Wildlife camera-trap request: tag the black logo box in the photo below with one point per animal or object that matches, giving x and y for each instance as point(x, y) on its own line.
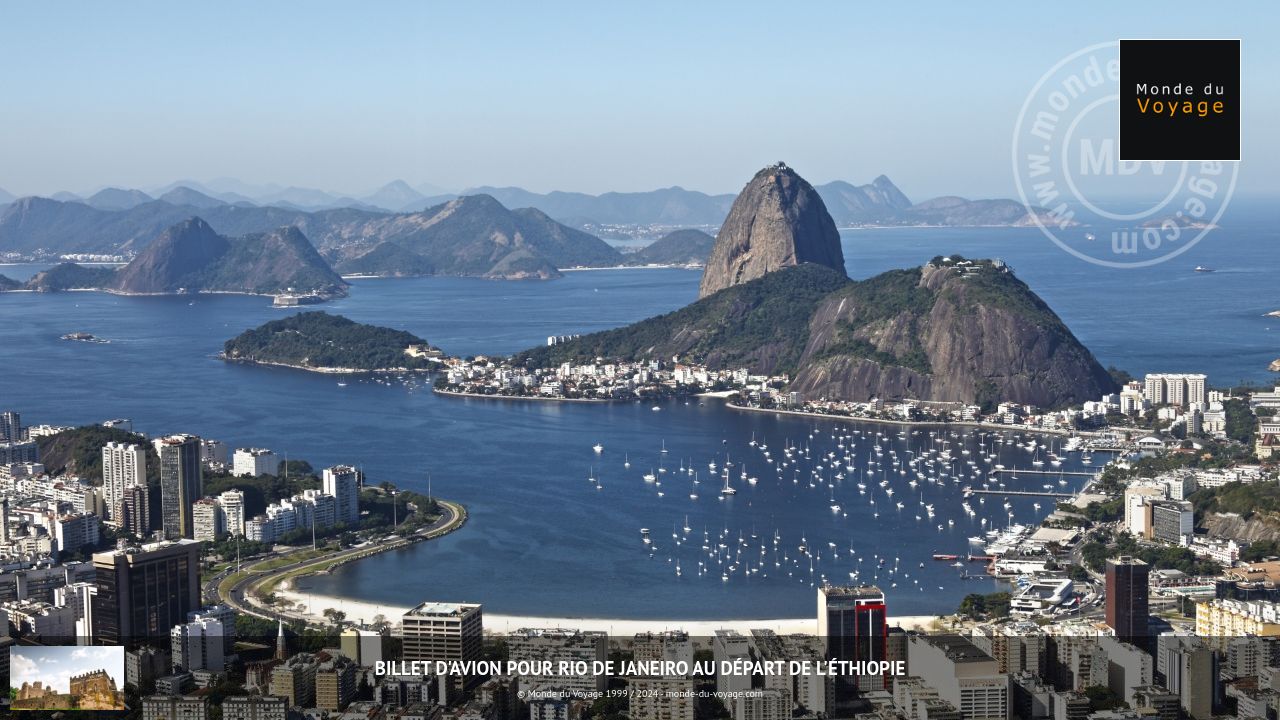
point(1186, 65)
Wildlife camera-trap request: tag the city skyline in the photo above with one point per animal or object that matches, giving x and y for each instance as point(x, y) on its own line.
point(595, 100)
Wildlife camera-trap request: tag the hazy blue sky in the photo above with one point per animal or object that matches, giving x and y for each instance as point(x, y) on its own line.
point(589, 96)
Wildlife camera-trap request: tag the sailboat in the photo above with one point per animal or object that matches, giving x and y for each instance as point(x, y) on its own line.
point(626, 461)
point(727, 489)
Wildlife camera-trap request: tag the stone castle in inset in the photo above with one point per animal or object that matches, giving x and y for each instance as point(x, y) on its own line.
point(94, 690)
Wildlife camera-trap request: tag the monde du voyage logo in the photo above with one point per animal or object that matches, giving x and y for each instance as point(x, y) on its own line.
point(1124, 152)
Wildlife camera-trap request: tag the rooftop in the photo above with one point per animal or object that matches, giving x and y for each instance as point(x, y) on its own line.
point(442, 609)
point(956, 648)
point(869, 592)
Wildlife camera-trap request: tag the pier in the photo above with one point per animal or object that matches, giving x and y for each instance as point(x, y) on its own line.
point(1027, 493)
point(1074, 473)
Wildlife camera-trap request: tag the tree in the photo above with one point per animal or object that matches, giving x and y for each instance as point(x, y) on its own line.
point(335, 616)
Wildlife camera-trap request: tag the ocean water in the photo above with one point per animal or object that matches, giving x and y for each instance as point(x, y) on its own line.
point(542, 539)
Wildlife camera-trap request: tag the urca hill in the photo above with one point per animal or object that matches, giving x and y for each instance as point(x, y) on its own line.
point(776, 298)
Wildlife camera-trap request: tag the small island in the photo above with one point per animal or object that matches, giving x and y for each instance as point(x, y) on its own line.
point(319, 342)
point(85, 337)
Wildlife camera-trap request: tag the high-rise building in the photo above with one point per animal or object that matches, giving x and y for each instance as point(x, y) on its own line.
point(254, 707)
point(252, 462)
point(213, 454)
point(17, 452)
point(1173, 521)
point(1181, 389)
point(365, 646)
point(135, 510)
point(144, 591)
point(730, 646)
point(11, 426)
point(231, 503)
point(199, 645)
point(558, 646)
point(1127, 611)
point(181, 483)
point(962, 675)
point(442, 631)
point(335, 683)
point(295, 680)
point(341, 481)
point(853, 621)
point(124, 465)
point(206, 520)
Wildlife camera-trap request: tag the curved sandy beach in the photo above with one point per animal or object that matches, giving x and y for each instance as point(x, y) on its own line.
point(360, 611)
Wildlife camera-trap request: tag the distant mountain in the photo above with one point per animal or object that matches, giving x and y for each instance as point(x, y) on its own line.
point(953, 211)
point(396, 196)
point(681, 247)
point(190, 256)
point(64, 196)
point(474, 235)
point(668, 206)
point(882, 203)
point(387, 259)
point(117, 199)
point(70, 276)
point(300, 198)
point(5, 197)
point(32, 225)
point(185, 196)
point(778, 220)
point(852, 203)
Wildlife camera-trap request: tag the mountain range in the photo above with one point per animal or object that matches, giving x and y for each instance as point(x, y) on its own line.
point(775, 298)
point(472, 235)
point(877, 203)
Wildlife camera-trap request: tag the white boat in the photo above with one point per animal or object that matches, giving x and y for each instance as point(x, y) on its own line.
point(598, 448)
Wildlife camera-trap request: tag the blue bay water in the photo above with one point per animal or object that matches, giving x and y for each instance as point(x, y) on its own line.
point(542, 540)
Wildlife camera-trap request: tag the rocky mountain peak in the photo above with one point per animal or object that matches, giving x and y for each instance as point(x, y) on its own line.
point(777, 221)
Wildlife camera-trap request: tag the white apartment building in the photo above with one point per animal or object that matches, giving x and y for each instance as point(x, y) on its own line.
point(206, 519)
point(1179, 389)
point(124, 465)
point(342, 482)
point(962, 674)
point(231, 502)
point(252, 462)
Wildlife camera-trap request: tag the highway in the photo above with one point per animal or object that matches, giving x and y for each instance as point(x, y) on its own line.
point(236, 594)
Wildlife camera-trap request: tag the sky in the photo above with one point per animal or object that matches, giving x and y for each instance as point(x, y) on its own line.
point(589, 97)
point(55, 665)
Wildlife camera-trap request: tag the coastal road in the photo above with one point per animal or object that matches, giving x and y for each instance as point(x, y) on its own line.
point(235, 592)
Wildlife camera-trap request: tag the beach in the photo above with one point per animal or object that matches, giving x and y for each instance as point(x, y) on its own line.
point(314, 606)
